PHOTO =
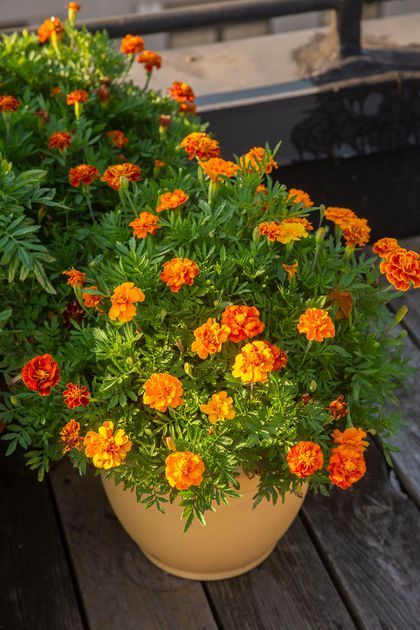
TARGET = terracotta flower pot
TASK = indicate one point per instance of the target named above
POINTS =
(236, 539)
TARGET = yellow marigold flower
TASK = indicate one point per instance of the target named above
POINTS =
(346, 466)
(340, 216)
(291, 270)
(316, 324)
(177, 272)
(76, 278)
(70, 436)
(132, 44)
(172, 200)
(254, 159)
(219, 407)
(199, 145)
(291, 232)
(254, 362)
(300, 196)
(209, 338)
(216, 168)
(385, 245)
(302, 220)
(402, 268)
(338, 408)
(107, 449)
(356, 233)
(184, 469)
(343, 300)
(146, 223)
(243, 321)
(123, 300)
(150, 60)
(351, 437)
(305, 458)
(162, 391)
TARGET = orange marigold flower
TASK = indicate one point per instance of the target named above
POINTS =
(48, 27)
(92, 300)
(159, 164)
(132, 44)
(74, 6)
(187, 108)
(257, 159)
(350, 437)
(199, 145)
(162, 391)
(219, 407)
(76, 395)
(305, 458)
(291, 231)
(338, 408)
(70, 436)
(291, 270)
(108, 449)
(172, 200)
(40, 374)
(261, 189)
(340, 216)
(123, 300)
(216, 168)
(347, 466)
(150, 60)
(182, 92)
(302, 220)
(118, 138)
(402, 268)
(55, 91)
(84, 174)
(114, 174)
(76, 278)
(254, 362)
(300, 196)
(316, 324)
(385, 245)
(146, 223)
(8, 103)
(343, 300)
(209, 338)
(59, 140)
(77, 96)
(279, 356)
(184, 469)
(356, 233)
(243, 321)
(270, 230)
(177, 272)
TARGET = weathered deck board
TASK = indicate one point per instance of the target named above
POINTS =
(370, 541)
(37, 591)
(119, 586)
(291, 590)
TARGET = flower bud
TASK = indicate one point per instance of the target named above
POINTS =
(320, 235)
(188, 369)
(399, 316)
(170, 443)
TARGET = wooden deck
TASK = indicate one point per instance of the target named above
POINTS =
(351, 561)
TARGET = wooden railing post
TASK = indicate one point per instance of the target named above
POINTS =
(349, 17)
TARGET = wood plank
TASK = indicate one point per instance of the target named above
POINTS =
(119, 586)
(290, 590)
(36, 586)
(369, 537)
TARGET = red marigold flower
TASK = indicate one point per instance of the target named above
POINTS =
(356, 232)
(76, 396)
(279, 356)
(76, 278)
(172, 200)
(92, 300)
(300, 196)
(114, 174)
(59, 140)
(346, 466)
(8, 103)
(73, 312)
(84, 174)
(253, 160)
(103, 93)
(177, 272)
(209, 338)
(70, 436)
(201, 146)
(40, 374)
(243, 321)
(55, 91)
(316, 324)
(402, 268)
(50, 26)
(132, 44)
(150, 60)
(338, 408)
(305, 458)
(146, 223)
(187, 108)
(117, 138)
(181, 92)
(77, 96)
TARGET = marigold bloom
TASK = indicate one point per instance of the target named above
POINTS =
(385, 245)
(271, 230)
(162, 391)
(339, 216)
(253, 160)
(350, 437)
(92, 300)
(305, 458)
(118, 138)
(187, 108)
(177, 272)
(146, 223)
(48, 27)
(402, 269)
(108, 449)
(132, 44)
(219, 407)
(70, 436)
(184, 469)
(356, 233)
(165, 120)
(243, 321)
(302, 220)
(76, 395)
(73, 312)
(300, 196)
(76, 278)
(316, 324)
(55, 91)
(150, 60)
(346, 466)
(158, 164)
(123, 300)
(84, 174)
(338, 408)
(291, 270)
(209, 338)
(8, 103)
(73, 9)
(77, 96)
(291, 231)
(279, 356)
(199, 145)
(172, 200)
(59, 140)
(113, 174)
(216, 168)
(181, 92)
(254, 362)
(343, 300)
(40, 374)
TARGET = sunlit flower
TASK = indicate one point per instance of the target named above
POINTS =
(114, 174)
(243, 321)
(291, 270)
(351, 437)
(41, 374)
(219, 407)
(201, 146)
(209, 338)
(338, 408)
(346, 466)
(162, 391)
(184, 469)
(78, 96)
(92, 300)
(76, 395)
(302, 220)
(76, 278)
(146, 223)
(181, 92)
(172, 200)
(356, 232)
(70, 436)
(177, 272)
(344, 302)
(305, 459)
(316, 324)
(108, 449)
(8, 103)
(385, 245)
(48, 27)
(291, 231)
(300, 196)
(339, 216)
(402, 268)
(59, 140)
(84, 174)
(216, 168)
(257, 159)
(150, 60)
(118, 138)
(254, 363)
(132, 44)
(123, 299)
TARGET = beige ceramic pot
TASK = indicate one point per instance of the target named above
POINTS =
(235, 540)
